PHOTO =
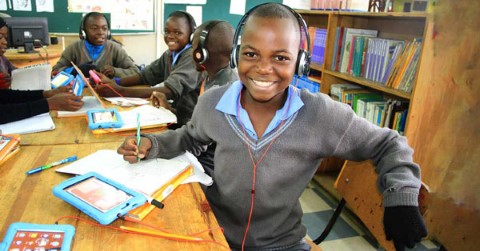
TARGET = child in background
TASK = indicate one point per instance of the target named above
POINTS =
(211, 44)
(175, 69)
(271, 137)
(96, 50)
(6, 67)
(16, 105)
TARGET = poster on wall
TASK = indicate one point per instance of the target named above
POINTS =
(44, 5)
(22, 5)
(125, 14)
(84, 6)
(133, 15)
(3, 4)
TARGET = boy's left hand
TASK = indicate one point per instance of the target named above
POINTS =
(404, 225)
(108, 71)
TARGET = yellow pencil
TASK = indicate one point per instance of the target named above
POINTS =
(160, 234)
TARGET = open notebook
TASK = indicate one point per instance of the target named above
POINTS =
(150, 117)
(155, 178)
(39, 123)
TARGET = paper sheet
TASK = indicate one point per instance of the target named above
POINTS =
(90, 103)
(39, 123)
(127, 101)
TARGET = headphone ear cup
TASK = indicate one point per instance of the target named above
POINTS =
(302, 67)
(234, 56)
(82, 34)
(200, 55)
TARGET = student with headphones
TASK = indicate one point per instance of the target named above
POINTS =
(175, 69)
(211, 44)
(271, 137)
(96, 50)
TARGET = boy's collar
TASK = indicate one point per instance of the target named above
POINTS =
(176, 55)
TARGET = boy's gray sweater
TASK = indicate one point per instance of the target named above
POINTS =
(321, 128)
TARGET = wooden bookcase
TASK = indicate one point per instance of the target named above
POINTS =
(362, 198)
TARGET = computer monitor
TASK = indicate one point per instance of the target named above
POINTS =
(28, 32)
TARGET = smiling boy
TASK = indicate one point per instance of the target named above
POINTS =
(175, 69)
(97, 50)
(271, 137)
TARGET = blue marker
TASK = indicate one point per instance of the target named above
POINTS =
(41, 168)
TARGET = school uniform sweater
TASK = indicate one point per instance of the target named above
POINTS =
(182, 79)
(112, 54)
(319, 129)
(16, 105)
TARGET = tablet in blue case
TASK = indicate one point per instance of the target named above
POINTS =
(98, 197)
(104, 118)
(78, 85)
(61, 79)
(27, 236)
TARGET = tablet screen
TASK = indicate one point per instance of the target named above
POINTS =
(59, 80)
(37, 240)
(104, 117)
(98, 194)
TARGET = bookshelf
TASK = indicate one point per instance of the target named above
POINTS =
(399, 26)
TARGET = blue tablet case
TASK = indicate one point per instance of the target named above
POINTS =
(136, 199)
(68, 230)
(95, 123)
(78, 85)
(61, 79)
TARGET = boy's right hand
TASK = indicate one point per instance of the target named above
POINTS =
(131, 152)
(160, 99)
(65, 102)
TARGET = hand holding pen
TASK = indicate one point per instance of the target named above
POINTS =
(131, 151)
(41, 168)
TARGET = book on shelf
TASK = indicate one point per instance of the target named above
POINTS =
(337, 48)
(336, 90)
(347, 49)
(359, 101)
(150, 117)
(347, 95)
(318, 49)
(9, 146)
(32, 77)
(414, 48)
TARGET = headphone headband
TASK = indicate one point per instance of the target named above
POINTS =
(303, 60)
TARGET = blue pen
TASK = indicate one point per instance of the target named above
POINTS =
(138, 136)
(41, 168)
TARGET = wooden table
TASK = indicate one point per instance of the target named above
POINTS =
(30, 199)
(19, 59)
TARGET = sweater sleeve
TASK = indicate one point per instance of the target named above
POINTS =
(154, 73)
(122, 63)
(184, 76)
(398, 176)
(68, 55)
(17, 105)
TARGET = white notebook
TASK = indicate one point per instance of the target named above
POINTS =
(33, 77)
(39, 123)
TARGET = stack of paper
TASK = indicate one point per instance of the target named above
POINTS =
(39, 123)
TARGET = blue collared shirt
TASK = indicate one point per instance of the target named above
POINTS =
(93, 50)
(231, 100)
(176, 55)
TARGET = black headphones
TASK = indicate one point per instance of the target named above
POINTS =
(303, 60)
(191, 22)
(200, 54)
(82, 32)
